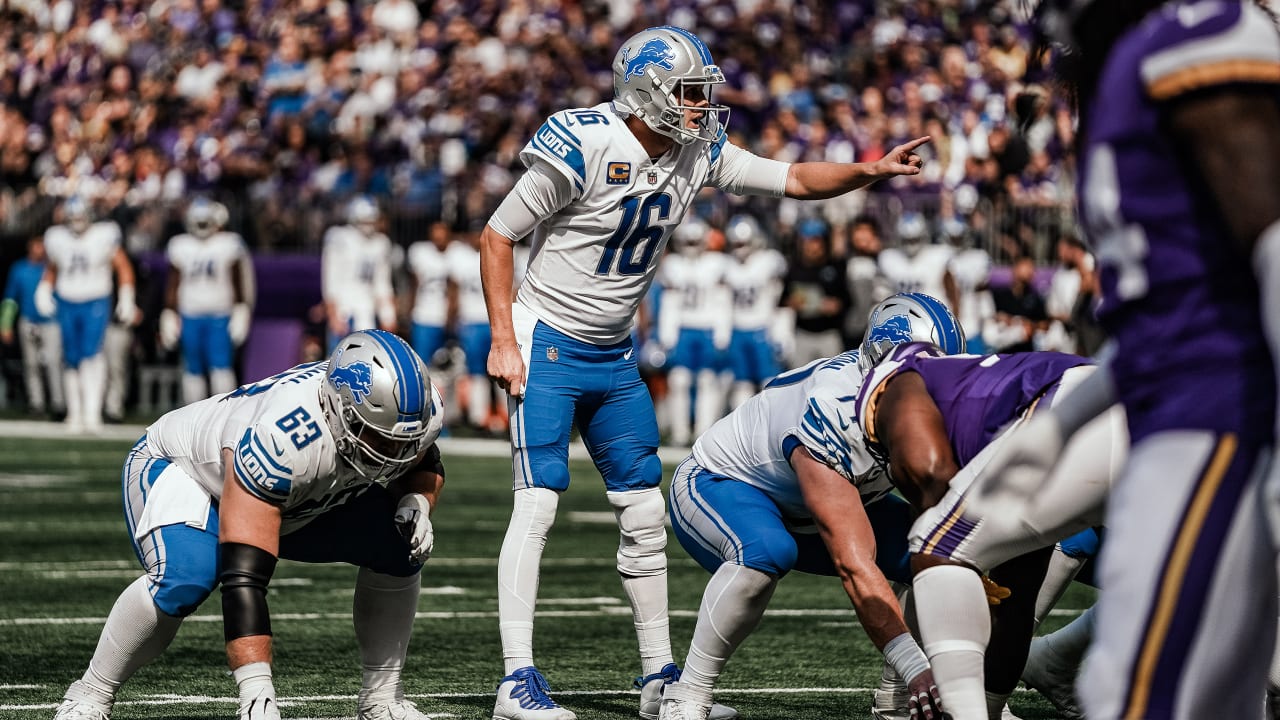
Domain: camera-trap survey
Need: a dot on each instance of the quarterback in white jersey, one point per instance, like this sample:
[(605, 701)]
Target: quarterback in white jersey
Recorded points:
[(356, 273), (694, 327), (754, 277), (206, 305), (605, 186), (786, 482), (77, 283), (327, 462)]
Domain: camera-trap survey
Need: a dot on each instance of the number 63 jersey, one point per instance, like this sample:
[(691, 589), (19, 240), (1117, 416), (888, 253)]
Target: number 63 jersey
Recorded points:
[(593, 260), (1180, 301), (283, 450)]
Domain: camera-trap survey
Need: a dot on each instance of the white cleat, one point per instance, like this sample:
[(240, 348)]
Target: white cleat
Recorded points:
[(82, 710), (891, 700), (525, 695), (1053, 679), (395, 708), (652, 688), (673, 709)]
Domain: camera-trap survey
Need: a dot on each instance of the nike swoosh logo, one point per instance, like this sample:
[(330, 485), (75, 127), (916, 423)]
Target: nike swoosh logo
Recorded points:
[(628, 355), (276, 445)]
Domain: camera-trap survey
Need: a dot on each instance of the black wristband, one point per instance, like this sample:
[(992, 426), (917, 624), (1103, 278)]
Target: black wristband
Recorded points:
[(246, 570)]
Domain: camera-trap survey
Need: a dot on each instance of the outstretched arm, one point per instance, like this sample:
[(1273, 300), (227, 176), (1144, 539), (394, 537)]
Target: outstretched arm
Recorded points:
[(819, 180)]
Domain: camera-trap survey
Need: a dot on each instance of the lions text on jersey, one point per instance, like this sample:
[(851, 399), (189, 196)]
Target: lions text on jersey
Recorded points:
[(592, 261)]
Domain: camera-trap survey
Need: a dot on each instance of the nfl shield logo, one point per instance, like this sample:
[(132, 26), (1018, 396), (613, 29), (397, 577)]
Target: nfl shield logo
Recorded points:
[(553, 354), (652, 177)]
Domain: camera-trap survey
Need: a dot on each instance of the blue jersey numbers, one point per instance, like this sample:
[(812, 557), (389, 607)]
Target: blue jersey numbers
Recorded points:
[(301, 428), (636, 241)]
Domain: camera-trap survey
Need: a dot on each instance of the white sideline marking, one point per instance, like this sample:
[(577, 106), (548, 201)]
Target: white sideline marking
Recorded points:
[(581, 601), (443, 590), (592, 517), (34, 480), (20, 687), (459, 615)]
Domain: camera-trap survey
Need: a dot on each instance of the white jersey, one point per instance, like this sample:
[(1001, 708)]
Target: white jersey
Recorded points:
[(356, 273), (756, 284), (922, 272), (429, 267), (206, 266), (693, 292), (284, 452), (595, 255), (812, 406), (970, 269), (464, 271), (83, 260)]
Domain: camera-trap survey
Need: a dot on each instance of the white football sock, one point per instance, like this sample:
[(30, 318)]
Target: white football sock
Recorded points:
[(75, 398), (710, 405), (136, 632), (732, 605), (532, 516), (93, 386), (222, 381), (740, 393), (955, 625), (478, 400), (194, 388), (679, 384), (642, 565), (1062, 571), (383, 614), (1068, 643)]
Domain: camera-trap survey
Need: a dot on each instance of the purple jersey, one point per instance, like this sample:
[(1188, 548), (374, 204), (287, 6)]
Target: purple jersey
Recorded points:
[(1179, 299), (978, 395)]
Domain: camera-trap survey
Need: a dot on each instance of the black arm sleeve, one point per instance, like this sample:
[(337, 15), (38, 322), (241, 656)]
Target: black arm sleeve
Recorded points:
[(246, 570), (431, 461)]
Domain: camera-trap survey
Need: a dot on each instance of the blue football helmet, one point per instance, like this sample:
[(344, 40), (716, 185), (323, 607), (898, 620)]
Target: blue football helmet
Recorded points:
[(363, 214), (77, 213), (204, 217), (909, 317), (378, 402), (652, 72)]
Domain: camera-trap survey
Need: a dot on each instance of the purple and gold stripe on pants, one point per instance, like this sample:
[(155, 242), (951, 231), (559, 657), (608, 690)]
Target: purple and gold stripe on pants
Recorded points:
[(1186, 580)]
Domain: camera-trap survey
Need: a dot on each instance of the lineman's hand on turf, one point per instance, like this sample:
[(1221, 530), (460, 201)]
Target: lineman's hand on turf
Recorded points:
[(925, 702), (413, 518)]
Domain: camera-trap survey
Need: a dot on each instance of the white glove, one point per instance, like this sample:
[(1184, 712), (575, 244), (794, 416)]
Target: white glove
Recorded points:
[(126, 307), (257, 693), (413, 518), (170, 328), (238, 325), (45, 304), (1019, 467)]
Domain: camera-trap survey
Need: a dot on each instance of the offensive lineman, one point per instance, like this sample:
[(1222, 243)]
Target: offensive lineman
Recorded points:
[(785, 482), (76, 287), (326, 462), (604, 188), (206, 306)]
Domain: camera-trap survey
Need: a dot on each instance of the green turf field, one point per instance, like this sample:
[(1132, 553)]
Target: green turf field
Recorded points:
[(64, 556)]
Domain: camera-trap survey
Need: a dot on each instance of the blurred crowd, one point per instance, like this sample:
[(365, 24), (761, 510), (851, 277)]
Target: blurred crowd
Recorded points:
[(283, 111), (274, 107)]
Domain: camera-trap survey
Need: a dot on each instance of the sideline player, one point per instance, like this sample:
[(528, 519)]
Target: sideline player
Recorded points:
[(206, 307), (760, 327), (83, 256), (785, 483), (356, 273), (327, 462), (605, 186), (1177, 210)]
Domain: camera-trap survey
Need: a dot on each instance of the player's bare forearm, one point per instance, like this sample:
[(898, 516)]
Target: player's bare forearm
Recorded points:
[(427, 479), (251, 649), (249, 535), (497, 275), (821, 180), (124, 271), (171, 287), (846, 530)]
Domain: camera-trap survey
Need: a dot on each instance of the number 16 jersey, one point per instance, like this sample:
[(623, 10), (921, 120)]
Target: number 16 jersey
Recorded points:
[(594, 258)]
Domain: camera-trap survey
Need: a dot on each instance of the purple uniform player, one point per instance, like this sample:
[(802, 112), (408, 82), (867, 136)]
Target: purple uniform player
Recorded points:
[(1180, 150), (936, 421)]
